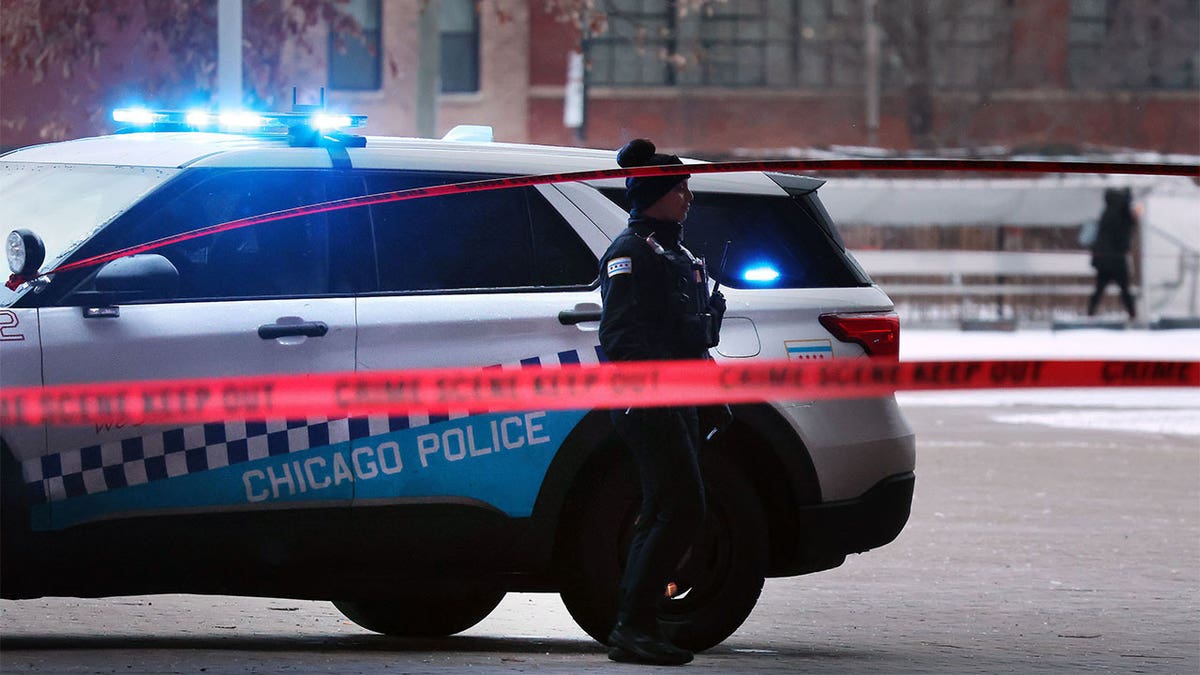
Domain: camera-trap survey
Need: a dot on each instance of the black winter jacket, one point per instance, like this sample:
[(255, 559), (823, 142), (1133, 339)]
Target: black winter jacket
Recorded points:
[(1115, 231), (646, 295)]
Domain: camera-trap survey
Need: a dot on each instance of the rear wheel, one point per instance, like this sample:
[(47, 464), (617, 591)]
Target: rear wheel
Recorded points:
[(717, 584), (430, 614)]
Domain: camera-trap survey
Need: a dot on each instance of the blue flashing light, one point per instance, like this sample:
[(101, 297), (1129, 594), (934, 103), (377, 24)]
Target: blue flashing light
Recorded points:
[(327, 122), (198, 119), (760, 274), (241, 120), (236, 120), (136, 116)]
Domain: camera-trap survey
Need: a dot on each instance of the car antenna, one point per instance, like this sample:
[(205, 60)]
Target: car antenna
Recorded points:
[(724, 258)]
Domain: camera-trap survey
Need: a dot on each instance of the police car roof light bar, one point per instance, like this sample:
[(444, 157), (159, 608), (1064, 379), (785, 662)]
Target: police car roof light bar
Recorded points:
[(142, 119)]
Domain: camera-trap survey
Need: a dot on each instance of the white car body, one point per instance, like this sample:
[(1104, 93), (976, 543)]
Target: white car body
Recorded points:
[(103, 475)]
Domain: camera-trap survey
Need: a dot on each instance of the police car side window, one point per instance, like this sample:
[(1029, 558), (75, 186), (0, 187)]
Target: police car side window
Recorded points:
[(293, 257), (561, 257), (482, 240), (768, 235)]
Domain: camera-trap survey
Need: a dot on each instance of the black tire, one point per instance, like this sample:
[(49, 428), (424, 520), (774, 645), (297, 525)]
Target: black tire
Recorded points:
[(719, 581), (426, 615), (15, 545)]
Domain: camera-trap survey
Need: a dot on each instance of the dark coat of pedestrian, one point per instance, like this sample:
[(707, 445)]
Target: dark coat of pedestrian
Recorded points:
[(1110, 250)]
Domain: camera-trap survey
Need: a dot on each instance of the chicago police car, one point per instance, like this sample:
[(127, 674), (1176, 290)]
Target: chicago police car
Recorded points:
[(414, 525)]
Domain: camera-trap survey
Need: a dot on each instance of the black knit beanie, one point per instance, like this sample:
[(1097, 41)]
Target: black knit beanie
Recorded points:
[(642, 192)]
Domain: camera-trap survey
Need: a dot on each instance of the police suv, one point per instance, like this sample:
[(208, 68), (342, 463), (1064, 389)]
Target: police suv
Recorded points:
[(414, 525)]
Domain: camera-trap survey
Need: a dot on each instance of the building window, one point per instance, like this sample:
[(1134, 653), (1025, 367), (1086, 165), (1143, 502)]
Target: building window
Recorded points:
[(749, 43), (971, 44), (354, 62), (829, 44), (816, 44), (634, 49), (1130, 44), (734, 45), (459, 24), (772, 43), (946, 45)]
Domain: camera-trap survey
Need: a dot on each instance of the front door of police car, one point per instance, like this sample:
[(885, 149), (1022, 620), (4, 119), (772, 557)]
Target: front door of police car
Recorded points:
[(271, 298)]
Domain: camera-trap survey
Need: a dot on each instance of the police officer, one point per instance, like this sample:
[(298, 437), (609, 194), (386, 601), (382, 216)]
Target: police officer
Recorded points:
[(656, 307)]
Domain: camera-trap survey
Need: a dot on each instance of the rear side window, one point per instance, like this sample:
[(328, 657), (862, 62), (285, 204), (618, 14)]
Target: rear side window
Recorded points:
[(773, 242), (508, 238)]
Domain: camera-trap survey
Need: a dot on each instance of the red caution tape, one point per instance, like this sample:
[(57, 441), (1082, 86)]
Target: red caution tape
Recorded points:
[(820, 165), (610, 385)]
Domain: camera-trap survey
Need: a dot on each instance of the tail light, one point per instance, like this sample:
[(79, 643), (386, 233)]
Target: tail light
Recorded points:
[(877, 332)]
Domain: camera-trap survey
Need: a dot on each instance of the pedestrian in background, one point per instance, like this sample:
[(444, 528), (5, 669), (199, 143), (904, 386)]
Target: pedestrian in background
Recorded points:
[(656, 307), (1110, 250)]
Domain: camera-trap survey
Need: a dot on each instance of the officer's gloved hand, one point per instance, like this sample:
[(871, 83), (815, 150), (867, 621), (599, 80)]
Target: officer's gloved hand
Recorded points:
[(716, 303)]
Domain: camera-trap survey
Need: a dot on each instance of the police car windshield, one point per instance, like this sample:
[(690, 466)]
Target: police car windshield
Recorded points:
[(65, 204)]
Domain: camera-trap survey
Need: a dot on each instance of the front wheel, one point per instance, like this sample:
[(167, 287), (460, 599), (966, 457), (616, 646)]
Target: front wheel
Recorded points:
[(430, 614), (715, 587)]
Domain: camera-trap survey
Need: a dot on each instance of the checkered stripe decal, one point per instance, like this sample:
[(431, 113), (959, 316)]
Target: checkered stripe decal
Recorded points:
[(180, 452)]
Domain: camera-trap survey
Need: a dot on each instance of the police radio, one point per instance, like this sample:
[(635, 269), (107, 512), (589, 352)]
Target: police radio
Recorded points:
[(700, 321)]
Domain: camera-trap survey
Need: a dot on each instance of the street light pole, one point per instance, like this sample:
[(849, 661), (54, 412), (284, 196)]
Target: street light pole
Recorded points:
[(429, 69), (871, 48), (229, 54)]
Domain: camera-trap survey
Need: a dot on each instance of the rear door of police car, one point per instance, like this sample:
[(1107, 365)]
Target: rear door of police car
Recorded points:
[(498, 279)]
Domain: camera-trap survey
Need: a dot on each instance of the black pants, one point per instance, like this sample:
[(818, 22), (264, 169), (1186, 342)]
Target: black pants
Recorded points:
[(1110, 269), (664, 443)]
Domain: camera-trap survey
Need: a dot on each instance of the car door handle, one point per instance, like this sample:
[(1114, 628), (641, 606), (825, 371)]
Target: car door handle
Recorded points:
[(570, 317), (272, 331)]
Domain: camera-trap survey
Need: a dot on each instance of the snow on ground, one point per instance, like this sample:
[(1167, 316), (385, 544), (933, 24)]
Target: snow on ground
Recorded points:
[(1174, 411), (1167, 345)]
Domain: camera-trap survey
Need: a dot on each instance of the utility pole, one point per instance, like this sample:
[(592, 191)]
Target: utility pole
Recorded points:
[(575, 94), (429, 69), (229, 54), (871, 46)]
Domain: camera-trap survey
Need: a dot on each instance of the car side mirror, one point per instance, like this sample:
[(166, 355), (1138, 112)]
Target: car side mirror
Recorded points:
[(135, 277)]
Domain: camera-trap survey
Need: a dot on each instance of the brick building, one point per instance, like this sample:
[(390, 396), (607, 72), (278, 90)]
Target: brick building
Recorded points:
[(712, 79), (767, 76)]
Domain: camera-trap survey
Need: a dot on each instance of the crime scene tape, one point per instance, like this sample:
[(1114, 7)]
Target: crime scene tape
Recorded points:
[(821, 165), (608, 385)]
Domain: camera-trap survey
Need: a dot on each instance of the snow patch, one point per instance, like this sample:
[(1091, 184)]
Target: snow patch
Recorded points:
[(1174, 411)]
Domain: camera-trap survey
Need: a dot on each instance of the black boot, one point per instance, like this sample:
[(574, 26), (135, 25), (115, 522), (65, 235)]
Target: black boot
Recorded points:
[(630, 644)]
